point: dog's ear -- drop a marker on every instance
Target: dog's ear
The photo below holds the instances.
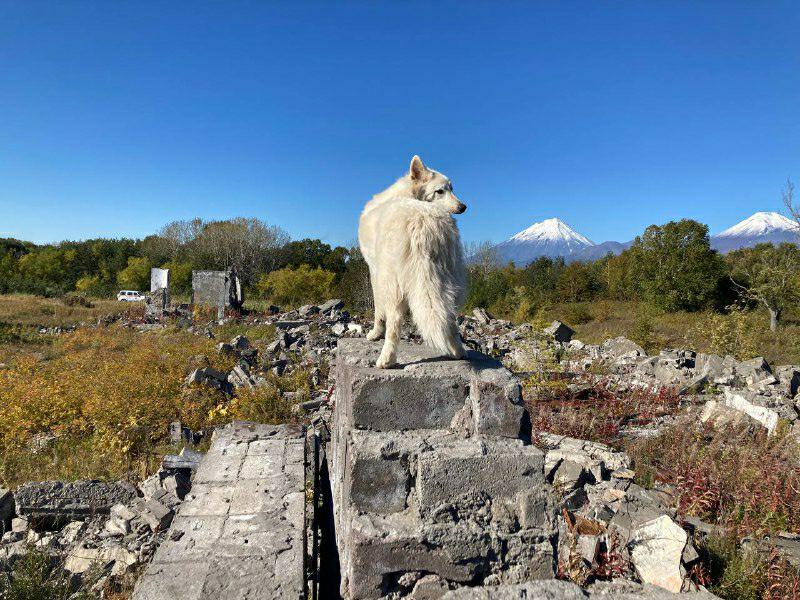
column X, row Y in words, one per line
column 417, row 170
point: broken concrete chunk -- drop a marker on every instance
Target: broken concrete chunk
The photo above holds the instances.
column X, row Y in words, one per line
column 331, row 305
column 751, row 405
column 6, row 506
column 47, row 499
column 656, row 551
column 483, row 317
column 619, row 347
column 559, row 331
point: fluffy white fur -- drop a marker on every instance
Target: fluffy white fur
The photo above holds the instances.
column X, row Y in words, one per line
column 410, row 241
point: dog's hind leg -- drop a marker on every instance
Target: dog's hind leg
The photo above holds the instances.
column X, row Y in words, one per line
column 394, row 321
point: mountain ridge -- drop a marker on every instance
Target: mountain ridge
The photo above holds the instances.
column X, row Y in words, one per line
column 555, row 239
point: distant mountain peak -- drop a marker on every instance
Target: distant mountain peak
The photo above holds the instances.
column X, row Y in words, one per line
column 553, row 229
column 760, row 223
column 551, row 237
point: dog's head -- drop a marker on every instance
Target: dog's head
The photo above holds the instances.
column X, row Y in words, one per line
column 431, row 186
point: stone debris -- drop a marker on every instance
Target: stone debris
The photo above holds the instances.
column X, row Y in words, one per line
column 564, row 590
column 105, row 530
column 440, row 487
column 656, row 552
column 560, row 332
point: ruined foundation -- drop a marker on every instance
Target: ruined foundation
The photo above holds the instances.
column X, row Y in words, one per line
column 434, row 478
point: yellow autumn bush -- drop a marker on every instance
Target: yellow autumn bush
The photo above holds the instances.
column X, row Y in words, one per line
column 114, row 387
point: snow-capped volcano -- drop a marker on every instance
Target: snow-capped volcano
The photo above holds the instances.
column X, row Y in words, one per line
column 551, row 237
column 762, row 227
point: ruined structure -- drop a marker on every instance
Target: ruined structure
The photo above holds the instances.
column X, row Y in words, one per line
column 218, row 289
column 158, row 301
column 434, row 480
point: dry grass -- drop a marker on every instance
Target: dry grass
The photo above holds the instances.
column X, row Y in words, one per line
column 743, row 334
column 599, row 414
column 26, row 310
column 748, row 484
column 105, row 396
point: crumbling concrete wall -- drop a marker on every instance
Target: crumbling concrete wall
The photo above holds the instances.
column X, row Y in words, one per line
column 433, row 475
column 220, row 289
column 158, row 301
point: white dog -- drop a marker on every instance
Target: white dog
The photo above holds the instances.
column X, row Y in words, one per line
column 411, row 244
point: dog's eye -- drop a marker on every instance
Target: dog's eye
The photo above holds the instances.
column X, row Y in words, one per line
column 440, row 192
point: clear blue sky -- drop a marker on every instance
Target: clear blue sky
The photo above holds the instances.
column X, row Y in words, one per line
column 117, row 117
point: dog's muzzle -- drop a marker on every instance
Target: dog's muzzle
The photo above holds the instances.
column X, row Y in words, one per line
column 461, row 208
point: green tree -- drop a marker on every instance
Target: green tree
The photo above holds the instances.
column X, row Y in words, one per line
column 136, row 276
column 767, row 274
column 47, row 270
column 315, row 253
column 180, row 276
column 577, row 282
column 294, row 286
column 674, row 266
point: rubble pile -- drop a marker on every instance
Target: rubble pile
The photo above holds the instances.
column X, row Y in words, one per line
column 101, row 532
column 726, row 389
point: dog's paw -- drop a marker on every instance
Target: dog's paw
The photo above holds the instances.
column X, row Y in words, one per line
column 385, row 363
column 374, row 335
column 458, row 352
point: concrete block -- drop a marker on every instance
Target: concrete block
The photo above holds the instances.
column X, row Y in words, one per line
column 495, row 467
column 496, row 409
column 392, row 544
column 219, row 289
column 426, row 393
column 58, row 499
column 391, row 401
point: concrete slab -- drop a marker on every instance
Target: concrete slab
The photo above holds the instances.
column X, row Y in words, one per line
column 239, row 534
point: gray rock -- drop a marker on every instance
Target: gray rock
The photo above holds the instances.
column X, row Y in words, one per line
column 240, row 343
column 753, row 406
column 6, row 507
column 308, row 310
column 788, row 377
column 718, row 369
column 753, row 370
column 534, row 590
column 620, row 347
column 331, row 305
column 656, row 551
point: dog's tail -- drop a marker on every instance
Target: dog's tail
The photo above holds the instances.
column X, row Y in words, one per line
column 436, row 281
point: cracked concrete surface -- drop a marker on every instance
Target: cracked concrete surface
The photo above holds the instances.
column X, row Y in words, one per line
column 239, row 533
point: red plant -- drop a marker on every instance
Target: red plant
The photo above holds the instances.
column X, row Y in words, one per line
column 783, row 580
column 750, row 484
column 599, row 412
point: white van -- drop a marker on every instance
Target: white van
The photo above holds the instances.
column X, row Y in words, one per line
column 129, row 296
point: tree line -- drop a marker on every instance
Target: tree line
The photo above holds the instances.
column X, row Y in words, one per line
column 670, row 266
column 100, row 267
